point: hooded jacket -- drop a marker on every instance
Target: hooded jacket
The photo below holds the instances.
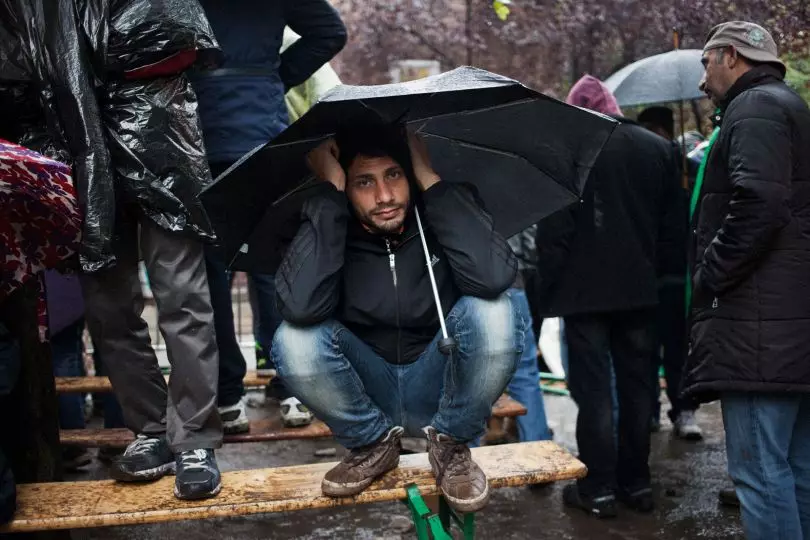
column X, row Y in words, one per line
column 378, row 286
column 751, row 246
column 603, row 254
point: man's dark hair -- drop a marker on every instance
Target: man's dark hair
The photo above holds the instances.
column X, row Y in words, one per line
column 661, row 117
column 374, row 139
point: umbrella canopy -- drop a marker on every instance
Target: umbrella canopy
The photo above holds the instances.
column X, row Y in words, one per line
column 663, row 78
column 528, row 155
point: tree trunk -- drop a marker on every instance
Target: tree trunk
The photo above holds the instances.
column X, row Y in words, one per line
column 29, row 423
column 468, row 30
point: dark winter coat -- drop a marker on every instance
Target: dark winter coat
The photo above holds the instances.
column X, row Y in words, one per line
column 605, row 254
column 242, row 103
column 378, row 286
column 751, row 233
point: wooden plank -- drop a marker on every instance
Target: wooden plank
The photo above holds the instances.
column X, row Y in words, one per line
column 67, row 385
column 260, row 430
column 104, row 503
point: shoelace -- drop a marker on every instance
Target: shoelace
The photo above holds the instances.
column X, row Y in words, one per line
column 194, row 459
column 450, row 453
column 142, row 445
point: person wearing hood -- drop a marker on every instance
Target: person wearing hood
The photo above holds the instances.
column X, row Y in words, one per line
column 751, row 253
column 598, row 269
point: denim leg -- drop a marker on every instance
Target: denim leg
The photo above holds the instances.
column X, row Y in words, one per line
column 232, row 366
column 339, row 378
column 490, row 335
column 759, row 431
column 66, row 351
column 799, row 459
column 525, row 385
column 268, row 318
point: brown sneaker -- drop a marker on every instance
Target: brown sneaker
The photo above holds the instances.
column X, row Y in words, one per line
column 363, row 465
column 463, row 483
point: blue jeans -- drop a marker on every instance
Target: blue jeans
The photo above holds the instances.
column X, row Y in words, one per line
column 66, row 356
column 360, row 396
column 525, row 385
column 768, row 447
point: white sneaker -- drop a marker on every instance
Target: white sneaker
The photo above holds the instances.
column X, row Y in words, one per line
column 295, row 414
column 686, row 426
column 234, row 418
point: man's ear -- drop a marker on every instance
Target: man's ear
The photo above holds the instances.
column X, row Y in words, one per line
column 732, row 57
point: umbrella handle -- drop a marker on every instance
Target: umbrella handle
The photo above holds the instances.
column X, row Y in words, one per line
column 447, row 344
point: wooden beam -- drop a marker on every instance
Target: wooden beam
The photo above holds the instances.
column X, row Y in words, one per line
column 66, row 385
column 73, row 505
column 260, row 430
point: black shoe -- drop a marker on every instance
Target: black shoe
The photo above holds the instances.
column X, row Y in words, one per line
column 602, row 507
column 145, row 459
column 640, row 500
column 73, row 459
column 197, row 475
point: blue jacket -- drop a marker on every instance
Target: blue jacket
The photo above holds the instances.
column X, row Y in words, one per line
column 241, row 104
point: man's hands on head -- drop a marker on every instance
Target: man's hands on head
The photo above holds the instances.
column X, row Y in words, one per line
column 324, row 164
column 420, row 159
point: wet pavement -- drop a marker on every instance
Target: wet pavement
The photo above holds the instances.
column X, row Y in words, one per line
column 686, row 479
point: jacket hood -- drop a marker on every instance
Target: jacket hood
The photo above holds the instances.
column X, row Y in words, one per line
column 590, row 93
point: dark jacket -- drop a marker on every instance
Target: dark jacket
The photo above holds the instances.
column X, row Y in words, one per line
column 242, row 103
column 605, row 253
column 378, row 287
column 751, row 234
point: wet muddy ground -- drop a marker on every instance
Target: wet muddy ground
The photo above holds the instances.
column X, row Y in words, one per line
column 686, row 479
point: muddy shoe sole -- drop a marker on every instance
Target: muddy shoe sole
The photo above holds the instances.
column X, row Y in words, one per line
column 348, row 489
column 468, row 505
column 147, row 475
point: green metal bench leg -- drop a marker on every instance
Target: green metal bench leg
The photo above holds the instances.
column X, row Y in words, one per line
column 435, row 526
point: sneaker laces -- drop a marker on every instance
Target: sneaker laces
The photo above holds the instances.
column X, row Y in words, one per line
column 194, row 459
column 142, row 444
column 358, row 455
column 452, row 454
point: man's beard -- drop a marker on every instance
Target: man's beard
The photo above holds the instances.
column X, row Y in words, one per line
column 391, row 226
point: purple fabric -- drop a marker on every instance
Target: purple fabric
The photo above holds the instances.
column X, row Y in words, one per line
column 590, row 93
column 64, row 297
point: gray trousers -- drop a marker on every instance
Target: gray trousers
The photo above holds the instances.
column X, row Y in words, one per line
column 187, row 410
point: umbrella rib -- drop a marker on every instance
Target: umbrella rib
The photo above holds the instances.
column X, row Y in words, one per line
column 505, row 153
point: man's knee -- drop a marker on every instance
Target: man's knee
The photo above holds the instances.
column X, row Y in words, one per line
column 497, row 321
column 297, row 349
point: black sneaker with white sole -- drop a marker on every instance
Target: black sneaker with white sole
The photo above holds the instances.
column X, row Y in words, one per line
column 145, row 459
column 197, row 475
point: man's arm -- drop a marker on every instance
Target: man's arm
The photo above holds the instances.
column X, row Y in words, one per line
column 323, row 35
column 308, row 280
column 760, row 169
column 673, row 227
column 553, row 241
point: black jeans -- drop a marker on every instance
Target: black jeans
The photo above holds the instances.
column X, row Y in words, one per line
column 593, row 339
column 670, row 350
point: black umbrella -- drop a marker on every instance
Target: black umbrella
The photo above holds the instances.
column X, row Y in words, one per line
column 528, row 154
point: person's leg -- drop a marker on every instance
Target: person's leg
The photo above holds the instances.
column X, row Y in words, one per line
column 759, row 437
column 525, row 385
column 232, row 366
column 266, row 320
column 489, row 335
column 631, row 338
column 339, row 377
column 799, row 459
column 113, row 310
column 589, row 380
column 176, row 267
column 113, row 415
column 66, row 352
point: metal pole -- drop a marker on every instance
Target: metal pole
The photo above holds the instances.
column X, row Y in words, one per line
column 447, row 344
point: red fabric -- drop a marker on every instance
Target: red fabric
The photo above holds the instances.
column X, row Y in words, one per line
column 40, row 221
column 176, row 63
column 590, row 93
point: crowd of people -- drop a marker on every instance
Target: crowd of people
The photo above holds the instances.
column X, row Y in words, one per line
column 698, row 265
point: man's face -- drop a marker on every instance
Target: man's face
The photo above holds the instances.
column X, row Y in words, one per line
column 379, row 192
column 719, row 75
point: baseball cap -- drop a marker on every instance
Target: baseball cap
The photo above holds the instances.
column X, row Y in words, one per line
column 749, row 39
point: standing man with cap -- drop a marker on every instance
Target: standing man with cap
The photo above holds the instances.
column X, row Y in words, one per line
column 751, row 255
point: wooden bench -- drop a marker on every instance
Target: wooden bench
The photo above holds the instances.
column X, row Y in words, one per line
column 260, row 430
column 67, row 385
column 74, row 505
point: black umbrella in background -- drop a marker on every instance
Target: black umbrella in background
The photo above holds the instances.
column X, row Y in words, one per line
column 528, row 155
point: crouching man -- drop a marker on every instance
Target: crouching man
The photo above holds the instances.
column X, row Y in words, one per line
column 360, row 340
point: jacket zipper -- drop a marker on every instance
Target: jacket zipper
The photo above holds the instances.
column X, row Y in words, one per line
column 392, row 264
